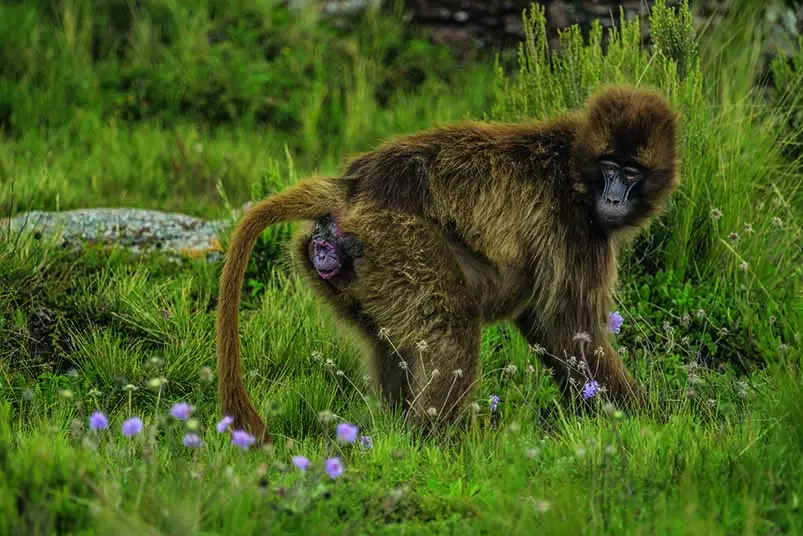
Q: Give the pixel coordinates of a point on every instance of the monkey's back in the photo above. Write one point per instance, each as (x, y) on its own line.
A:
(472, 178)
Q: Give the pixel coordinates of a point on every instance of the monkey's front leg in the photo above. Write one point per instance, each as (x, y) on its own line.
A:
(576, 347)
(607, 368)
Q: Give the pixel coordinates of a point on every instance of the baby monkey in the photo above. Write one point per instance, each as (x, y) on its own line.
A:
(333, 253)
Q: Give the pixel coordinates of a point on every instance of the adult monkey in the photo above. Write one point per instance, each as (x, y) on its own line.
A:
(471, 224)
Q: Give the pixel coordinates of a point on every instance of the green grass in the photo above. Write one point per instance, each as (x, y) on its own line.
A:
(716, 452)
(723, 459)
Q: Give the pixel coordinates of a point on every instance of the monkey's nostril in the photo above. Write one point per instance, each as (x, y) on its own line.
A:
(613, 201)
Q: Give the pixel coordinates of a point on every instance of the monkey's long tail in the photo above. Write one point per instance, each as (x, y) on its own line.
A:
(307, 200)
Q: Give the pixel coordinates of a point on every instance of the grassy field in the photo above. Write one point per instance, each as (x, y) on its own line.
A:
(201, 106)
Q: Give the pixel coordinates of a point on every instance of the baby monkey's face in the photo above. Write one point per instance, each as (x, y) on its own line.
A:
(333, 254)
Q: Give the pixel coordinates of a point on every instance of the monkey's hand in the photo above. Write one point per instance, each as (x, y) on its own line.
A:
(352, 246)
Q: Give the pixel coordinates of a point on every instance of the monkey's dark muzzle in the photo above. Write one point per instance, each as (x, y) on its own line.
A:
(612, 213)
(614, 205)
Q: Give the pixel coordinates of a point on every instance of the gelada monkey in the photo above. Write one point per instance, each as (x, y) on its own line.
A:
(429, 237)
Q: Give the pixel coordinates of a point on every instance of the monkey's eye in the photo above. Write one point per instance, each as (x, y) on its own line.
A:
(631, 174)
(609, 169)
(607, 165)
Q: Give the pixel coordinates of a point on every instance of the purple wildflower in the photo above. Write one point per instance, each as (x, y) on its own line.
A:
(242, 439)
(192, 440)
(493, 402)
(615, 321)
(224, 424)
(366, 442)
(590, 389)
(98, 421)
(301, 462)
(181, 411)
(346, 433)
(132, 426)
(334, 468)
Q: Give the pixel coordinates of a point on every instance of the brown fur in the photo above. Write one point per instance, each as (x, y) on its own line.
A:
(466, 225)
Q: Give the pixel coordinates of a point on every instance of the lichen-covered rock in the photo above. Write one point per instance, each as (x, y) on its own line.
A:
(136, 229)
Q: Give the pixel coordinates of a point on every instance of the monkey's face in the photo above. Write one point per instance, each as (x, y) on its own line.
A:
(626, 151)
(617, 188)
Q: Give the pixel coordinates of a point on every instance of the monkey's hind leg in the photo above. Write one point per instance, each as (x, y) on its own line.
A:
(413, 297)
(389, 377)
